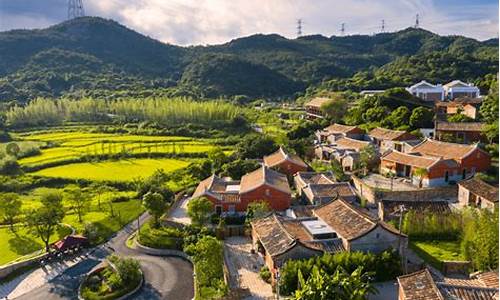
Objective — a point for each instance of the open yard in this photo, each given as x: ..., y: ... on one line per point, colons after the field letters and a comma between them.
x: 122, y: 170
x: 434, y: 252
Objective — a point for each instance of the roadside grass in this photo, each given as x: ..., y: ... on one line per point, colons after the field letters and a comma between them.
x: 434, y: 252
x: 118, y: 171
x: 22, y: 242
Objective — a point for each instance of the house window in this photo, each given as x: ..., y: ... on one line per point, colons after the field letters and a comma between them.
x: 268, y: 192
x: 378, y: 235
x: 446, y: 176
x: 398, y: 147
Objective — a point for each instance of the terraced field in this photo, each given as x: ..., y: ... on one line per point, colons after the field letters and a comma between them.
x: 73, y: 145
x: 122, y: 170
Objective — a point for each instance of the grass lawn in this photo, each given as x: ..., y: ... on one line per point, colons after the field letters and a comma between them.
x: 123, y: 170
x: 434, y: 252
x: 22, y: 242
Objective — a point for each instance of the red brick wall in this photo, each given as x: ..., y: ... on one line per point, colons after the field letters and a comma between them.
x: 478, y: 159
x: 289, y: 168
x: 278, y: 200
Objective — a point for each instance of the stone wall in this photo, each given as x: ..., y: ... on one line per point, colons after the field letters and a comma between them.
x: 6, y: 270
x: 456, y: 267
x: 374, y: 195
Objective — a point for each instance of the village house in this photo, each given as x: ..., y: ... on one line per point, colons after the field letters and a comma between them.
x: 427, y: 91
x: 230, y: 196
x: 333, y: 227
x: 422, y: 285
x: 345, y: 150
x: 285, y: 162
x: 440, y: 163
x: 476, y: 193
x: 387, y: 139
x: 464, y: 105
x: 336, y: 131
x: 460, y: 132
x: 313, y: 107
x: 319, y: 188
x: 457, y: 88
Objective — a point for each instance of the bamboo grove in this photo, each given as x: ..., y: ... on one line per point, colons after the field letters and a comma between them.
x: 164, y: 111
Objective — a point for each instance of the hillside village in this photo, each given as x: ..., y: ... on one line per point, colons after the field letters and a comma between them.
x: 311, y: 168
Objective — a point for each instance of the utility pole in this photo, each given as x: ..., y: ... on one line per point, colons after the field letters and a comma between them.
x: 382, y: 27
x: 75, y: 9
x: 401, y: 212
x: 342, y: 29
x: 299, y: 27
x: 417, y: 21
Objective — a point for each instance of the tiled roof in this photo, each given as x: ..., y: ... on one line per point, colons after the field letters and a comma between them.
x: 460, y: 126
x: 339, y: 128
x: 280, y: 156
x: 217, y: 187
x: 302, y: 211
x: 348, y: 143
x: 456, y: 83
x: 480, y: 188
x: 391, y: 135
x: 419, y: 286
x: 306, y: 178
x: 317, y: 102
x: 411, y: 160
x: 489, y: 279
x: 347, y: 221
x: 261, y: 176
x: 424, y: 84
x: 443, y: 149
x: 422, y: 206
x: 272, y: 235
x: 332, y: 190
x: 467, y: 292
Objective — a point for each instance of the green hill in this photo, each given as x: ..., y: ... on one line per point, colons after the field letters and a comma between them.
x: 102, y: 58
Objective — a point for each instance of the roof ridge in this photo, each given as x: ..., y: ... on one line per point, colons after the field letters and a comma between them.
x: 348, y: 205
x: 283, y: 228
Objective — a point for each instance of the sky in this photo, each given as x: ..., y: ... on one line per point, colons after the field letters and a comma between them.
x: 201, y: 22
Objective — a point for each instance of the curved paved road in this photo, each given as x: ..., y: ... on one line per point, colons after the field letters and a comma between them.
x: 165, y: 277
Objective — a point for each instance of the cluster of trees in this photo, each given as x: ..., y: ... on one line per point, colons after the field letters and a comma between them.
x: 381, y: 267
x: 42, y: 112
x: 476, y: 229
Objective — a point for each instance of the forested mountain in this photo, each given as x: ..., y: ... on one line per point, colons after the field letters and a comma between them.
x: 100, y: 57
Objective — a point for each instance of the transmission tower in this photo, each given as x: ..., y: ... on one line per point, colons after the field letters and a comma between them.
x: 299, y: 27
x: 75, y: 9
x: 382, y: 26
x: 417, y: 21
x: 342, y: 29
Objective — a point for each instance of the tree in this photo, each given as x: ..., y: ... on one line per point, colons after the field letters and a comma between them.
x: 420, y: 173
x: 421, y: 117
x: 12, y: 149
x: 255, y: 146
x: 239, y: 167
x: 335, y: 109
x: 10, y: 207
x: 459, y: 117
x: 45, y: 219
x: 155, y: 204
x: 217, y: 157
x: 489, y: 107
x: 99, y: 189
x: 257, y: 209
x: 341, y: 285
x: 199, y: 210
x: 398, y: 118
x: 375, y: 114
x: 367, y: 158
x: 79, y: 199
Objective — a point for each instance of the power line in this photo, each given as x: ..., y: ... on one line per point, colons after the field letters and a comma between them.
x: 75, y: 9
x: 299, y: 27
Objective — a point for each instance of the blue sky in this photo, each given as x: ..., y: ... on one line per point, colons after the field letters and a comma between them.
x: 193, y: 22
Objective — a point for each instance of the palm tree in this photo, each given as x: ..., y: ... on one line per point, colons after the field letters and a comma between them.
x: 420, y: 173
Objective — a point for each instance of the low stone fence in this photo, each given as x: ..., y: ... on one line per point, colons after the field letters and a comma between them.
x: 6, y: 270
x: 374, y: 195
x: 456, y: 267
x: 160, y: 252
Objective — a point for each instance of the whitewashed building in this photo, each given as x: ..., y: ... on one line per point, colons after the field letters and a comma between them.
x: 427, y: 91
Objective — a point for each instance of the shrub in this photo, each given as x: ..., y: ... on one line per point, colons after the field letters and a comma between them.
x: 265, y: 274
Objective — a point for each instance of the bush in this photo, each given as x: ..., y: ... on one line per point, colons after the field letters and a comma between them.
x: 265, y: 274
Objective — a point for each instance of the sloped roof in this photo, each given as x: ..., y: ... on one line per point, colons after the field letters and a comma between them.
x: 419, y: 286
x: 261, y: 176
x: 410, y: 159
x: 348, y: 143
x: 339, y: 128
x: 317, y: 102
x: 480, y: 188
x: 347, y: 221
x: 422, y: 206
x: 391, y: 135
x: 444, y: 149
x: 460, y: 126
x: 457, y: 83
x: 305, y: 178
x: 69, y: 241
x: 215, y: 186
x: 422, y: 84
x: 281, y: 156
x: 463, y: 292
x: 332, y: 190
x: 489, y: 279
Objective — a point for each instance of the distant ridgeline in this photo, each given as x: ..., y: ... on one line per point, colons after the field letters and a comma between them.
x: 100, y: 58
